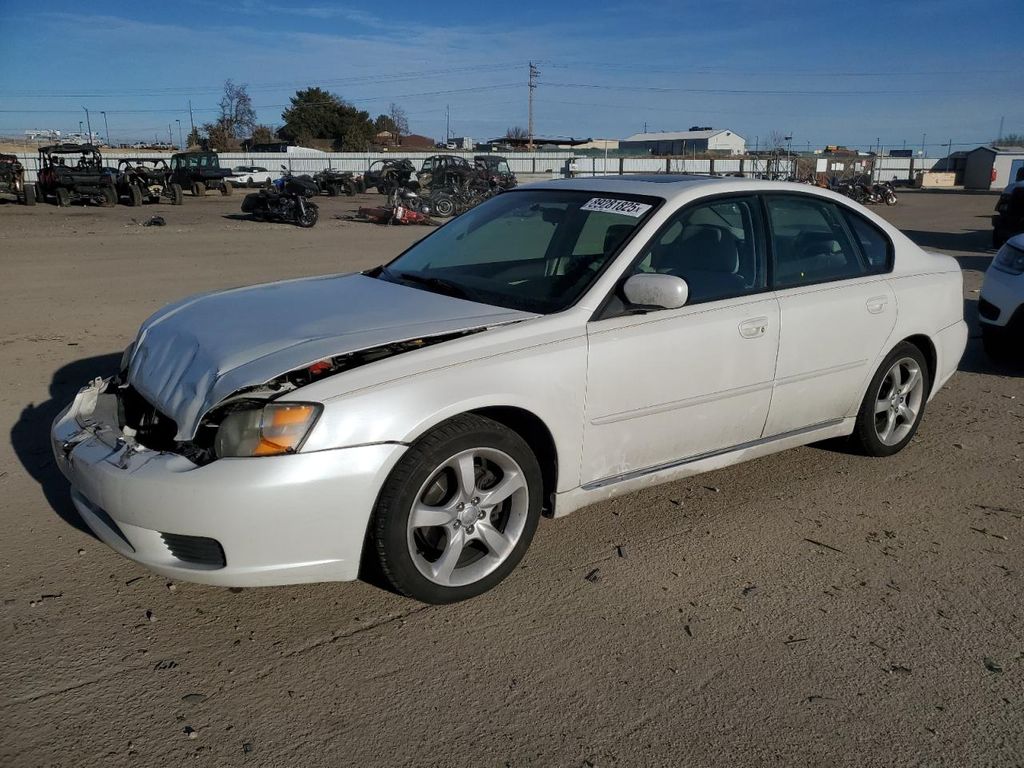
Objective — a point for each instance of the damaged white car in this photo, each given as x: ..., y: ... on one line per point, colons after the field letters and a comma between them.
x: 557, y: 345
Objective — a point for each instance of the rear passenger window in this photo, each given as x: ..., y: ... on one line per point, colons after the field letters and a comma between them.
x: 874, y: 245
x: 811, y: 242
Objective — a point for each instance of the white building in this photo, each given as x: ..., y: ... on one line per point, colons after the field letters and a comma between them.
x: 687, y: 142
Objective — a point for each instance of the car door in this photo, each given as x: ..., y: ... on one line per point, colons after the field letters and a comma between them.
x: 837, y: 308
x: 666, y: 386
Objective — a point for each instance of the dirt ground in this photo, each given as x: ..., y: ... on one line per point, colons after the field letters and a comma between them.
x: 809, y: 608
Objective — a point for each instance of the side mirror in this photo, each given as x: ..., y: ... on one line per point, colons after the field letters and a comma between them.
x: 656, y: 290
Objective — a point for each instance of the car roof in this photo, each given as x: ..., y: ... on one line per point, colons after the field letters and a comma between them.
x: 674, y: 185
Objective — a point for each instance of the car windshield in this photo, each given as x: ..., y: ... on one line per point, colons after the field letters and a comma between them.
x: 534, y: 250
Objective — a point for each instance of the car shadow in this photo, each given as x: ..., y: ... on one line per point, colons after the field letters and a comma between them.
x: 970, y: 241
x: 30, y: 435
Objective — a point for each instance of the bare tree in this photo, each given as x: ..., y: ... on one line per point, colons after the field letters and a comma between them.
x: 236, y: 111
x: 776, y: 140
x: 517, y: 132
x: 399, y: 123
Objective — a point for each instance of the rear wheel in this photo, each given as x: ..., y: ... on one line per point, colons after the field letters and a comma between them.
x: 459, y: 510
x: 134, y: 195
x: 29, y: 195
x: 198, y: 189
x: 40, y: 193
x: 226, y: 188
x: 894, y: 403
x: 177, y: 195
x: 110, y: 197
x: 444, y: 205
x: 333, y: 191
x: 63, y: 197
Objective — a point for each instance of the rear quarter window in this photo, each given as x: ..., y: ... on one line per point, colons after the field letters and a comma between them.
x: 874, y: 244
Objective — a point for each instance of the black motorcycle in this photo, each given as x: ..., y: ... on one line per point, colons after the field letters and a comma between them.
x: 287, y: 199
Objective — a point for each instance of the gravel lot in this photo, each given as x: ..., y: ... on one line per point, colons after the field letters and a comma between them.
x: 809, y: 608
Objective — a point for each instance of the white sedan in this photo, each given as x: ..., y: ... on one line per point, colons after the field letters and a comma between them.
x: 251, y: 176
x: 557, y: 345
x: 1001, y: 304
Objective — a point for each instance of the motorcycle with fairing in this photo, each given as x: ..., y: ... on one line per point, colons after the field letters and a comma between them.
x: 287, y: 200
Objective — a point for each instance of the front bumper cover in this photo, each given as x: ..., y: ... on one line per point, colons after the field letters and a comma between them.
x: 280, y: 519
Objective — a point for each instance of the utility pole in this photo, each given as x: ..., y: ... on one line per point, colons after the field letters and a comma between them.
x: 181, y: 145
x: 950, y: 150
x: 534, y: 74
x: 106, y: 127
x: 170, y: 136
x: 447, y: 124
x: 999, y: 138
x: 190, y: 120
x: 923, y: 137
x: 88, y: 124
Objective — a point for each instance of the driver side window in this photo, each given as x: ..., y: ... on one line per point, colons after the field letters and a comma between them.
x: 716, y: 247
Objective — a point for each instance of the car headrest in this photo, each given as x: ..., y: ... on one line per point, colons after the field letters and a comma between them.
x: 709, y: 249
x: 614, y: 236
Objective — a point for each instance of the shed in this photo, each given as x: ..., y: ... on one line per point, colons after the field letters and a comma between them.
x: 686, y: 142
x: 993, y: 167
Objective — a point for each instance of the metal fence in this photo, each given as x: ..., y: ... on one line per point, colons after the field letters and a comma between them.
x: 546, y: 164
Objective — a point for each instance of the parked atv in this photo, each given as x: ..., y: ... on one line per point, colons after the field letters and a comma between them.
x: 198, y: 172
x: 335, y: 182
x: 66, y: 179
x: 140, y: 180
x: 287, y: 199
x: 494, y: 169
x: 389, y: 175
x: 12, y: 181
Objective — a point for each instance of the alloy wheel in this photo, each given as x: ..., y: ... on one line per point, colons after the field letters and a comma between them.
x: 898, y: 401
x: 468, y: 517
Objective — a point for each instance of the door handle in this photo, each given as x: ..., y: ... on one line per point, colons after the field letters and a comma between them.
x: 753, y: 328
x: 876, y: 304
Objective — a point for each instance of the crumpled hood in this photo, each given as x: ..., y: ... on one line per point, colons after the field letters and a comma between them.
x: 191, y: 355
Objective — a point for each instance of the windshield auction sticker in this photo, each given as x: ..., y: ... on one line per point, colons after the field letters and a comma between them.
x: 621, y: 207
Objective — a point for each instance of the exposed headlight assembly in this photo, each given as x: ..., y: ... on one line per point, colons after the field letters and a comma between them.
x: 275, y: 429
x: 1009, y: 260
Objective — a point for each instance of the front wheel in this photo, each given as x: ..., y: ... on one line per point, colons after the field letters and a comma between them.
x: 198, y: 189
x: 894, y: 403
x: 459, y: 510
x: 226, y: 188
x: 309, y: 217
x: 177, y: 194
x: 29, y: 195
x: 110, y: 197
x: 890, y: 199
x: 134, y: 195
x: 63, y: 197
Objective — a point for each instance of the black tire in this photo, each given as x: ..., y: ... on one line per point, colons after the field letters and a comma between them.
x: 135, y: 197
x: 63, y: 197
x: 198, y: 189
x: 40, y: 193
x: 443, y: 205
x: 226, y: 189
x: 998, y: 342
x: 29, y: 195
x: 865, y: 438
x: 177, y: 194
x: 332, y: 191
x: 110, y: 197
x: 360, y: 186
x: 350, y: 189
x: 388, y: 527
x: 311, y: 216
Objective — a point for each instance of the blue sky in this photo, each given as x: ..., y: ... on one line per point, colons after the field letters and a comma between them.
x: 841, y: 73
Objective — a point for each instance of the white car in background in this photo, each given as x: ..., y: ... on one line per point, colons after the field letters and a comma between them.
x: 251, y: 176
x: 560, y: 344
x: 1001, y: 304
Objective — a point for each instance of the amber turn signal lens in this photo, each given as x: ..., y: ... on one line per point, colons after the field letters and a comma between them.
x: 283, y: 428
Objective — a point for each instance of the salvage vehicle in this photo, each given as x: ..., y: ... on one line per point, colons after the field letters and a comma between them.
x: 68, y: 180
x: 1001, y: 303
x: 139, y: 180
x: 560, y: 344
x: 199, y: 171
x: 251, y: 176
x: 495, y: 170
x: 12, y: 181
x: 388, y: 175
x: 1009, y: 216
x: 287, y: 199
x: 334, y: 182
